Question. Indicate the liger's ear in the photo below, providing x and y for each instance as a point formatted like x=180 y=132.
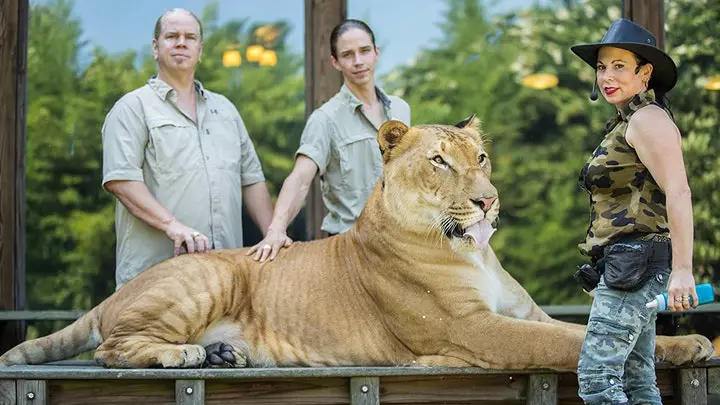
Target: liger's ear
x=470 y=122
x=390 y=136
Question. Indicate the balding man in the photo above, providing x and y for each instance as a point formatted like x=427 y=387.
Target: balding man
x=179 y=159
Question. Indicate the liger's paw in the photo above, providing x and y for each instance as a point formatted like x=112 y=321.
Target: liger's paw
x=684 y=349
x=223 y=355
x=183 y=356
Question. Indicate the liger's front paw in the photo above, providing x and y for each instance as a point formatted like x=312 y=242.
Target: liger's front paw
x=222 y=355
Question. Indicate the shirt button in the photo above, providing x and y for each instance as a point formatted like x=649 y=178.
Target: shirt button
x=207 y=131
x=207 y=157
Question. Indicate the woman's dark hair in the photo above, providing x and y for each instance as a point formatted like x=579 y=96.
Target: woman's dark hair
x=660 y=96
x=344 y=27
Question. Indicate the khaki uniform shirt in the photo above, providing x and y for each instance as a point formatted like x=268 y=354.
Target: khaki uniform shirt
x=196 y=171
x=624 y=196
x=342 y=141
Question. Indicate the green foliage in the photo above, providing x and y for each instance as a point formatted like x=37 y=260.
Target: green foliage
x=539 y=139
x=70 y=219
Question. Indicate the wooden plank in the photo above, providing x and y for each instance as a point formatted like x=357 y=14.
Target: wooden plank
x=190 y=392
x=542 y=389
x=454 y=389
x=111 y=392
x=322 y=81
x=713 y=376
x=309 y=391
x=8 y=392
x=648 y=13
x=13 y=60
x=692 y=386
x=32 y=392
x=365 y=391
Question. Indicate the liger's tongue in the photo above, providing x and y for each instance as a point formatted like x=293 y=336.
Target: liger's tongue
x=480 y=232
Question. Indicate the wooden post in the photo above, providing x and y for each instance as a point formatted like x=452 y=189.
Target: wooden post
x=322 y=81
x=13 y=62
x=648 y=13
x=542 y=389
x=364 y=391
x=190 y=392
x=32 y=392
x=692 y=385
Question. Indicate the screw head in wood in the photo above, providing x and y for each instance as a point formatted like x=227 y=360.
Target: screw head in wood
x=189 y=390
x=695 y=382
x=546 y=386
x=364 y=388
x=31 y=395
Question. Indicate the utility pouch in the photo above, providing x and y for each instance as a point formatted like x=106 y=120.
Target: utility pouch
x=626 y=265
x=588 y=275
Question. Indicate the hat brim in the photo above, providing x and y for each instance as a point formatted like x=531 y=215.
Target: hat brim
x=664 y=74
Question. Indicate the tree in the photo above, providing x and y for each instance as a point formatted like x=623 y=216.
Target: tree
x=70 y=218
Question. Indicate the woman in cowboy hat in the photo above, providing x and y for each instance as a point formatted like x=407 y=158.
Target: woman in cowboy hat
x=640 y=199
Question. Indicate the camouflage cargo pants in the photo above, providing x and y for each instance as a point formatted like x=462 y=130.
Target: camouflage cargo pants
x=617 y=361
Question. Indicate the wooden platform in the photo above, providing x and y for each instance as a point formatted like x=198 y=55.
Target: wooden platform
x=83 y=382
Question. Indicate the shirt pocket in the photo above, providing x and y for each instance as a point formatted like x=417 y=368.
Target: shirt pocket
x=223 y=132
x=360 y=161
x=175 y=145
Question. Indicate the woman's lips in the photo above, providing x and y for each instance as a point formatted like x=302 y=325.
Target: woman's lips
x=610 y=90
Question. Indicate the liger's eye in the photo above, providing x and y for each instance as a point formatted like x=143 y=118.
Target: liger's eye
x=482 y=158
x=439 y=160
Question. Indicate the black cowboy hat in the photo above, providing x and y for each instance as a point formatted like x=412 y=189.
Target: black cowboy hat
x=626 y=34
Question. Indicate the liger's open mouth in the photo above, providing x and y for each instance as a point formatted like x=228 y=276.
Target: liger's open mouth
x=479 y=233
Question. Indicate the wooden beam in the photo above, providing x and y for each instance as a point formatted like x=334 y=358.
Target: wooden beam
x=542 y=389
x=13 y=63
x=322 y=81
x=190 y=392
x=692 y=386
x=648 y=13
x=364 y=391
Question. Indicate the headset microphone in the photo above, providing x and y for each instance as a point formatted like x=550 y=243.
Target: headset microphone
x=593 y=93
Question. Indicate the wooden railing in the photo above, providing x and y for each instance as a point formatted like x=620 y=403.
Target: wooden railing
x=80 y=383
x=76 y=382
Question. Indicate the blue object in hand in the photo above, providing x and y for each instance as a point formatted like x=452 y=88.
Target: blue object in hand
x=705 y=295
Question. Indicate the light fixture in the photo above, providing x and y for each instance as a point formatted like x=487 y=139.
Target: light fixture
x=713 y=83
x=268 y=58
x=254 y=52
x=540 y=81
x=267 y=33
x=231 y=58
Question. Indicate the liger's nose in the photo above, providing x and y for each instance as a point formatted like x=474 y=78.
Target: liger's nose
x=484 y=203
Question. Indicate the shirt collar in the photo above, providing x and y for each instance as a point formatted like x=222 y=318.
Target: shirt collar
x=640 y=100
x=355 y=102
x=162 y=89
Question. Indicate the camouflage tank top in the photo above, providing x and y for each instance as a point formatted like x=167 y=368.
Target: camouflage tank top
x=624 y=197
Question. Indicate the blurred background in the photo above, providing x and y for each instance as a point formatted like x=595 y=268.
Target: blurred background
x=507 y=61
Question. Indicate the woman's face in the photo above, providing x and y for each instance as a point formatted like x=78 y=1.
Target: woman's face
x=617 y=77
x=356 y=56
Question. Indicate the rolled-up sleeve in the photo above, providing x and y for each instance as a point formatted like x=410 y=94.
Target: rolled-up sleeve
x=124 y=138
x=315 y=140
x=251 y=169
